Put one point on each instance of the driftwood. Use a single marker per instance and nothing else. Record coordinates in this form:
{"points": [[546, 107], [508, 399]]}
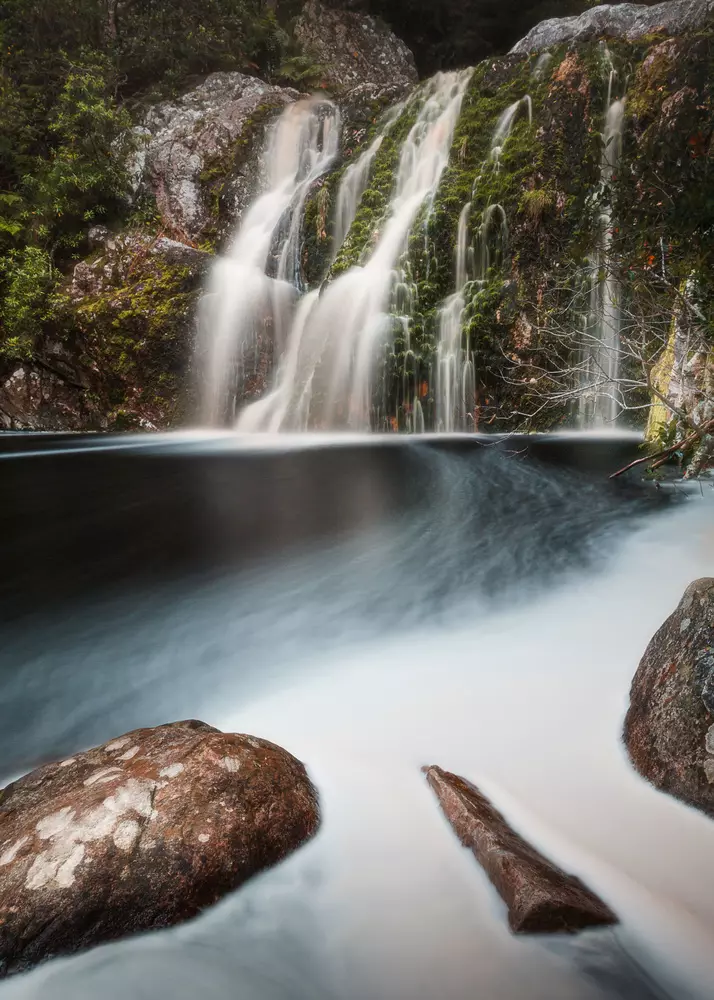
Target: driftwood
{"points": [[541, 898], [660, 457]]}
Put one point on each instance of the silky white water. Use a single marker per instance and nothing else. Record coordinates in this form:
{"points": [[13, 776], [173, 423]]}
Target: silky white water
{"points": [[403, 648], [455, 365], [326, 377], [243, 305], [600, 395]]}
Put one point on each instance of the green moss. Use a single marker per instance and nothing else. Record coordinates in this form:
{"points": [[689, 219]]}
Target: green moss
{"points": [[137, 339]]}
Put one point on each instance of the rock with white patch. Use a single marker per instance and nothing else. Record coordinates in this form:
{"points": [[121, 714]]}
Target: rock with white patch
{"points": [[143, 832], [669, 729]]}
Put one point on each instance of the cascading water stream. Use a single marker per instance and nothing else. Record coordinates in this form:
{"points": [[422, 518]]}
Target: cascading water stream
{"points": [[242, 302], [355, 179], [455, 381], [325, 379], [599, 403], [506, 123]]}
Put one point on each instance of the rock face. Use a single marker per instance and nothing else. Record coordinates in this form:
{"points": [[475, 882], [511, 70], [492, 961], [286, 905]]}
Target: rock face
{"points": [[669, 728], [181, 143], [143, 832], [627, 21], [120, 356], [355, 49], [540, 897]]}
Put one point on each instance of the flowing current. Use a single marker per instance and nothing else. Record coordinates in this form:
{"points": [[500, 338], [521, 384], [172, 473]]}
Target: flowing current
{"points": [[472, 610]]}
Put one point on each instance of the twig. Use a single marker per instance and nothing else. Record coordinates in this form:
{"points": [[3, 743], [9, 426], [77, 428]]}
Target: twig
{"points": [[660, 457]]}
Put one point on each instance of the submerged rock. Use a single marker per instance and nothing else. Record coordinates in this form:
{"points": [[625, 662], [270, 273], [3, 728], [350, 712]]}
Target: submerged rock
{"points": [[142, 832], [625, 20], [541, 898], [669, 728]]}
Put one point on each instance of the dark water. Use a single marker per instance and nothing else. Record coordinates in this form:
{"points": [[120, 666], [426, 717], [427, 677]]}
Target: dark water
{"points": [[372, 605]]}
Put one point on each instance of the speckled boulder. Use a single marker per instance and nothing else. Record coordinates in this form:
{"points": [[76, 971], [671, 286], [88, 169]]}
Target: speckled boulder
{"points": [[180, 142], [629, 21], [142, 832], [669, 728], [355, 49]]}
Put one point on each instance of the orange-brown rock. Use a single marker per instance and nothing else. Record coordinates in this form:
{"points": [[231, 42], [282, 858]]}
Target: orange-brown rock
{"points": [[142, 832], [541, 898]]}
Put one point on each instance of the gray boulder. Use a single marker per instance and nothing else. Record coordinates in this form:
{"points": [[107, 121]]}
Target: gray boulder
{"points": [[180, 142], [355, 49], [626, 21], [669, 728]]}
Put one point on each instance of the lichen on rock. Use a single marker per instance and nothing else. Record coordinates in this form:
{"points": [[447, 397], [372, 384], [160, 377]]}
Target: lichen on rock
{"points": [[142, 832]]}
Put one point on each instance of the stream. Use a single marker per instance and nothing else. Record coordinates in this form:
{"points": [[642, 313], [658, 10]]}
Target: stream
{"points": [[373, 605]]}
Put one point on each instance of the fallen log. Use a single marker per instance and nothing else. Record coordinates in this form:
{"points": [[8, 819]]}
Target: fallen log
{"points": [[541, 898]]}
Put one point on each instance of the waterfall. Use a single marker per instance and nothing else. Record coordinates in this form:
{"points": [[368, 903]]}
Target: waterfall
{"points": [[505, 125], [355, 178], [325, 378], [455, 378], [599, 370], [243, 304]]}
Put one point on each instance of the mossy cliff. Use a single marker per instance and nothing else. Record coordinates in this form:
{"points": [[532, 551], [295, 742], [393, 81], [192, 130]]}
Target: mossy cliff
{"points": [[533, 221], [122, 344]]}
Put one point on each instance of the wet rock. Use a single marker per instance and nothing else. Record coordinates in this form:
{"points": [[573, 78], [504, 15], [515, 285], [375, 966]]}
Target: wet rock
{"points": [[142, 832], [669, 727], [181, 142], [627, 21], [355, 49], [540, 897], [44, 394]]}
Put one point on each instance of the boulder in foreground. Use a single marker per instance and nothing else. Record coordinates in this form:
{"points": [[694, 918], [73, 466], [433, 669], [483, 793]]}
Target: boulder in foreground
{"points": [[142, 832], [540, 897], [669, 728]]}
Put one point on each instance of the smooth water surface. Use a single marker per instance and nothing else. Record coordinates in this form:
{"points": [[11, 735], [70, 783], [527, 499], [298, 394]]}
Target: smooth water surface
{"points": [[372, 608]]}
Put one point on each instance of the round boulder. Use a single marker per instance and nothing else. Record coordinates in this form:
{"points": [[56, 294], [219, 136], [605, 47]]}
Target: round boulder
{"points": [[142, 832], [669, 728]]}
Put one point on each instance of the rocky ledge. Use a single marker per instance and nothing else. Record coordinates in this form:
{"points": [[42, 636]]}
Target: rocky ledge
{"points": [[541, 898], [142, 832], [669, 728], [625, 20]]}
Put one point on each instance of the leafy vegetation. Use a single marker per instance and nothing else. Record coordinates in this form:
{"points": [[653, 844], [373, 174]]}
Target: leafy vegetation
{"points": [[74, 74]]}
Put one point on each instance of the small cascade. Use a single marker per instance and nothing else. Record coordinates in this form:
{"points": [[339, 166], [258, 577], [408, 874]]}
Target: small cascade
{"points": [[325, 379], [452, 407], [505, 125], [600, 363], [355, 179], [455, 376], [243, 305], [542, 63]]}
